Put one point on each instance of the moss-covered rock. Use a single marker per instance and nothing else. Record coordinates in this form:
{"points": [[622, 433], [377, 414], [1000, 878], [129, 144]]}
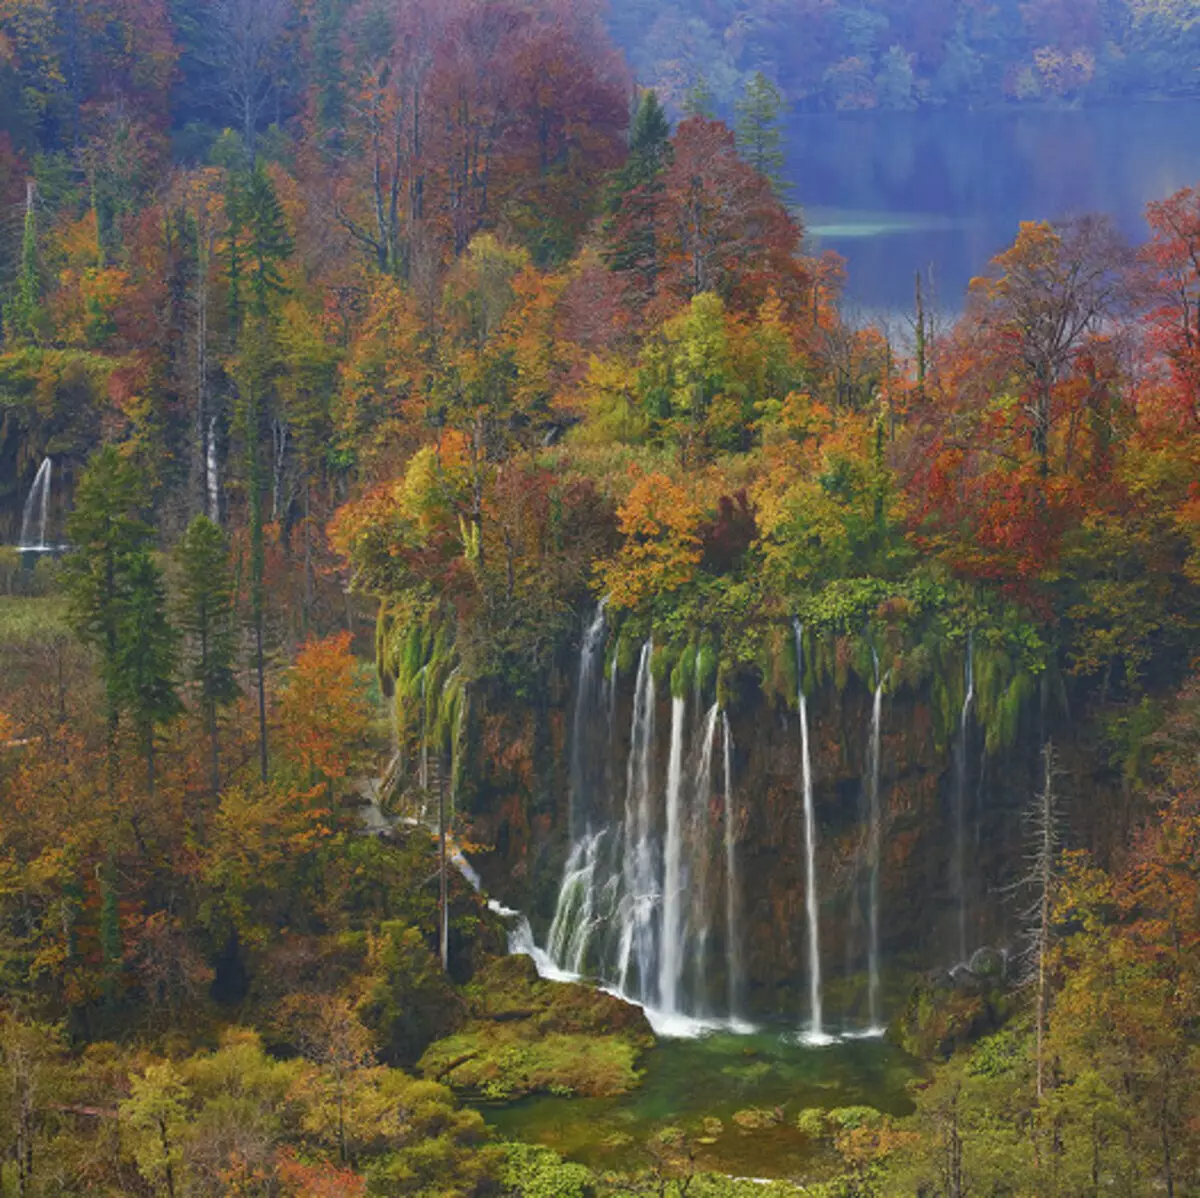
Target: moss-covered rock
{"points": [[948, 1010], [527, 1036]]}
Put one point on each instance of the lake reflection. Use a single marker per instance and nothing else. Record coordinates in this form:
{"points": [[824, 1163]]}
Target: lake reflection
{"points": [[895, 193]]}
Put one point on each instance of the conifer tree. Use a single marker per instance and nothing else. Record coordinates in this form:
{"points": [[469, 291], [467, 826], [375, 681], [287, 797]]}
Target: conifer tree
{"points": [[109, 535], [699, 100], [21, 312], [634, 196], [758, 137], [266, 243], [147, 655], [206, 620]]}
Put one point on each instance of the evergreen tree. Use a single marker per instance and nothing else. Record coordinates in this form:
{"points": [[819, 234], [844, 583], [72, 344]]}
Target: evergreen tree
{"points": [[634, 195], [256, 371], [109, 536], [22, 311], [758, 136], [699, 100], [147, 655], [268, 242], [206, 619]]}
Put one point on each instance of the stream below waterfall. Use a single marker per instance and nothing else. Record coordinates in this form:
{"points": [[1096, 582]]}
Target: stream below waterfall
{"points": [[690, 1083]]}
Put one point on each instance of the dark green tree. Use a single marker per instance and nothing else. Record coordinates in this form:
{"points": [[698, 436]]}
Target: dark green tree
{"points": [[759, 140], [206, 621], [633, 202], [266, 244], [147, 655], [21, 313], [109, 535]]}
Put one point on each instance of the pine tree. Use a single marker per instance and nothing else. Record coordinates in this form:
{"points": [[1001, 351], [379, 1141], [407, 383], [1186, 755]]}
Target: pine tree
{"points": [[206, 619], [255, 372], [634, 195], [146, 655], [268, 242], [699, 100], [22, 311], [109, 535], [758, 137]]}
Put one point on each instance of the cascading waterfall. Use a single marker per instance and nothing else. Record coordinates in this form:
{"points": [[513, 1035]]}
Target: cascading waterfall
{"points": [[575, 916], [874, 851], [591, 659], [960, 802], [670, 954], [816, 1032], [640, 897], [39, 502], [733, 954], [700, 917]]}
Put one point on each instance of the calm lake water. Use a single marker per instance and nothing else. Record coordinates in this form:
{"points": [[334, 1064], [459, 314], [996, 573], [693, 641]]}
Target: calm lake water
{"points": [[896, 193]]}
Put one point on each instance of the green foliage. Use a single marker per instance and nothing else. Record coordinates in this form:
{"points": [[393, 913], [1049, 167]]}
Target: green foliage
{"points": [[759, 139], [530, 1172]]}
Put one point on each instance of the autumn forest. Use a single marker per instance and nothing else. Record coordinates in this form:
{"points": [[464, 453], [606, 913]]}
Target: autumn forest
{"points": [[508, 691]]}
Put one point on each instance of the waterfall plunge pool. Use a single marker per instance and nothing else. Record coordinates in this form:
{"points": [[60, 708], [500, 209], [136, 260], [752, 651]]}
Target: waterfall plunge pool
{"points": [[765, 1079]]}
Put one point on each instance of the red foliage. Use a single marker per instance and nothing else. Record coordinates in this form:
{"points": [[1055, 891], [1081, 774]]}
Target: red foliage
{"points": [[722, 228]]}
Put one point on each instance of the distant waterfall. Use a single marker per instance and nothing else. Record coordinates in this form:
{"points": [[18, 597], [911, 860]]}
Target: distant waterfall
{"points": [[874, 851], [815, 1027], [212, 481], [961, 770], [733, 951], [39, 502], [671, 951]]}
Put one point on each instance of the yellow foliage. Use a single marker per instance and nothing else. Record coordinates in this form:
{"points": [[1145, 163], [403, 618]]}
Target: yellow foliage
{"points": [[659, 520]]}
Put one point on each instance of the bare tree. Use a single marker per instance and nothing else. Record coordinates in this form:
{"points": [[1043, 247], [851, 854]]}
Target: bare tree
{"points": [[244, 49], [1040, 881]]}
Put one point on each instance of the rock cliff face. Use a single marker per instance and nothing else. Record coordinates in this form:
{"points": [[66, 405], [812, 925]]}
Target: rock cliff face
{"points": [[948, 836]]}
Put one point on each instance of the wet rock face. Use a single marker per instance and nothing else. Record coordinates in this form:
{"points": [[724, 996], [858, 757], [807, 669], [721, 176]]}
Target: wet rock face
{"points": [[950, 837]]}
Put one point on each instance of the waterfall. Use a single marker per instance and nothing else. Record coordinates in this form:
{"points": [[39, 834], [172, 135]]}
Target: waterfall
{"points": [[874, 847], [700, 919], [574, 916], [212, 483], [733, 953], [590, 658], [816, 1032], [670, 954], [635, 907], [39, 501], [640, 897], [960, 803]]}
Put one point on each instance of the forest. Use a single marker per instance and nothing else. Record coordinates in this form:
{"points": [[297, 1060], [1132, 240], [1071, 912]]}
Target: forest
{"points": [[401, 409], [902, 54]]}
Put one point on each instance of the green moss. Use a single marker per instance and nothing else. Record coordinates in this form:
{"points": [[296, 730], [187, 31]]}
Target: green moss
{"points": [[529, 1036]]}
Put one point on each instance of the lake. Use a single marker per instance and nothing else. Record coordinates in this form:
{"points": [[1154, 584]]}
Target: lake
{"points": [[897, 193]]}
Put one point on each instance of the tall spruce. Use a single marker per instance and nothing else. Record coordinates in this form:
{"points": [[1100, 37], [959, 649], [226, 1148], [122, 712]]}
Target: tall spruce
{"points": [[759, 140], [109, 537], [632, 242], [206, 619], [147, 656], [259, 223]]}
